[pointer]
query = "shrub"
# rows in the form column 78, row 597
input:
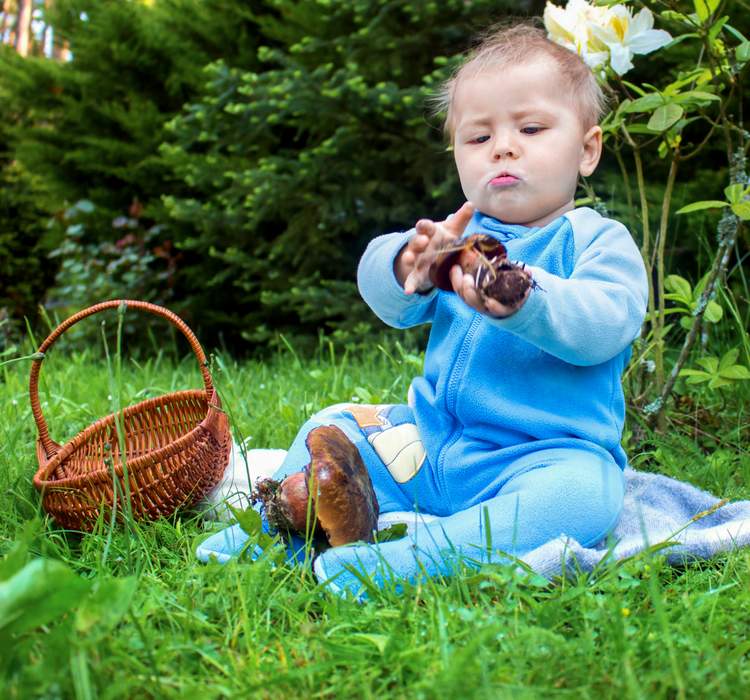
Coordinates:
column 292, row 169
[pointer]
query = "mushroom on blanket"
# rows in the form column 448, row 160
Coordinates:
column 334, row 489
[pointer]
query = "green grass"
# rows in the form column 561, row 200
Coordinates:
column 131, row 614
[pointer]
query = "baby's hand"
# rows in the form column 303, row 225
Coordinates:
column 463, row 285
column 412, row 265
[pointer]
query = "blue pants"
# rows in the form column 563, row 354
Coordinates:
column 526, row 501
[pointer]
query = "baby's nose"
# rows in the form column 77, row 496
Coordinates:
column 505, row 148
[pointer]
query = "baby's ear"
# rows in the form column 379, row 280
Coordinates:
column 592, row 151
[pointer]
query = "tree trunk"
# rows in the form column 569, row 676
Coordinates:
column 60, row 48
column 48, row 35
column 23, row 34
column 5, row 22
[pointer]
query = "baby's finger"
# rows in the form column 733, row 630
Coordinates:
column 463, row 285
column 456, row 276
column 495, row 308
column 416, row 282
column 418, row 242
column 426, row 227
column 498, row 310
column 460, row 220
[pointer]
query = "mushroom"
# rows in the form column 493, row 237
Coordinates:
column 335, row 489
column 486, row 259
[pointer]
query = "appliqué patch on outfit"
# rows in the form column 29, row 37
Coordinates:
column 398, row 446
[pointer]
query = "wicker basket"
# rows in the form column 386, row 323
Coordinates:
column 176, row 447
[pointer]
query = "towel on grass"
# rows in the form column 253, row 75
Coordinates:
column 657, row 510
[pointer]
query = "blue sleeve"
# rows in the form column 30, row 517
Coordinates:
column 597, row 312
column 381, row 290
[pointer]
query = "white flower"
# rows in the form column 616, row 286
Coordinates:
column 626, row 35
column 571, row 28
column 601, row 35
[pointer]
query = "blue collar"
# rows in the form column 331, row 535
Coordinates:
column 503, row 231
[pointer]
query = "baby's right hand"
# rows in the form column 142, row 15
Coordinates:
column 412, row 265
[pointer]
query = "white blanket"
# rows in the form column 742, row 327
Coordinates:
column 658, row 510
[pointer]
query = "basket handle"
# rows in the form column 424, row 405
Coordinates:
column 51, row 447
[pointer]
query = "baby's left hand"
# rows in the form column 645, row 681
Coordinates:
column 463, row 285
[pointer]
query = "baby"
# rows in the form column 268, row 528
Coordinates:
column 512, row 435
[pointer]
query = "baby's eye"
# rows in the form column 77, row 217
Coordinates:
column 480, row 139
column 531, row 129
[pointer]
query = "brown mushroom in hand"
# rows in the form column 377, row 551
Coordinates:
column 486, row 259
column 334, row 489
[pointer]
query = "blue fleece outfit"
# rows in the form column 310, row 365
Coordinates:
column 516, row 422
column 512, row 436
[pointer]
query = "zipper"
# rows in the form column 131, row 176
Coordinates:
column 458, row 366
column 452, row 397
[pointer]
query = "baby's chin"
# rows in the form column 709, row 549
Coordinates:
column 533, row 218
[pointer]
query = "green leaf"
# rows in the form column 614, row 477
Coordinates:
column 639, row 128
column 681, row 287
column 674, row 16
column 718, row 383
column 363, row 394
column 734, row 193
column 42, row 591
column 743, row 52
column 249, row 521
column 710, row 364
column 736, row 33
column 634, row 87
column 742, row 209
column 665, row 116
column 705, row 8
column 728, row 358
column 85, row 206
column 695, row 376
column 716, row 28
column 713, row 313
column 647, row 103
column 681, row 307
column 378, row 640
column 736, row 372
column 13, row 561
column 697, row 96
column 393, row 532
column 705, row 204
column 106, row 605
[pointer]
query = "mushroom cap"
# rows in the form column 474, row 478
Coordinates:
column 470, row 253
column 345, row 500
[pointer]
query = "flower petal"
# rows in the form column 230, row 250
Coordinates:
column 642, row 22
column 620, row 58
column 558, row 23
column 649, row 41
column 594, row 59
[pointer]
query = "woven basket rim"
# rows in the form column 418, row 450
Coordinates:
column 42, row 480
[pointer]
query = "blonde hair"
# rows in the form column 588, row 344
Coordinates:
column 518, row 43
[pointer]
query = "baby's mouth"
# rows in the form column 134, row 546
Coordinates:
column 504, row 180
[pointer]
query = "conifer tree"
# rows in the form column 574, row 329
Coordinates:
column 294, row 167
column 92, row 125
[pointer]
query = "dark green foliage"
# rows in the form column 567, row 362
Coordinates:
column 269, row 141
column 89, row 130
column 293, row 169
column 24, row 239
column 25, row 273
column 91, row 127
column 133, row 263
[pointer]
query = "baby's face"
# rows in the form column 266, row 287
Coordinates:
column 519, row 143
